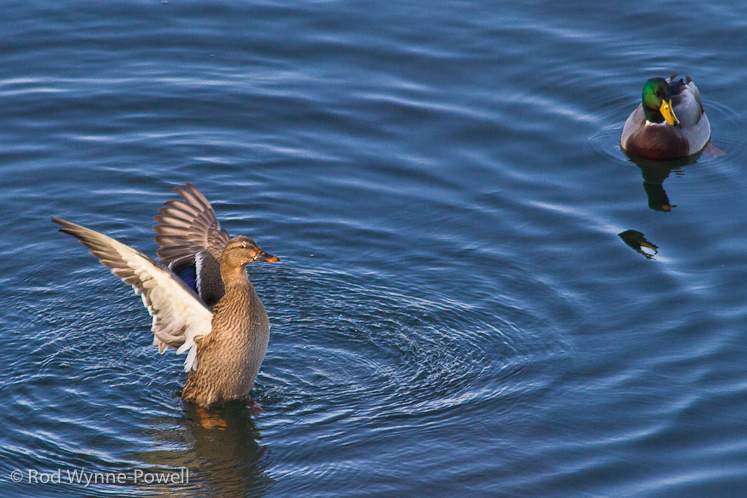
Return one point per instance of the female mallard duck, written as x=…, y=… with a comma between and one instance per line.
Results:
x=226, y=344
x=670, y=122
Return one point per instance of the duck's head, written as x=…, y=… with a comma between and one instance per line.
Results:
x=241, y=251
x=657, y=102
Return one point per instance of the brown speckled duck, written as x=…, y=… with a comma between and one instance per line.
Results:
x=226, y=345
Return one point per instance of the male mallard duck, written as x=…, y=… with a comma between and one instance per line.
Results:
x=226, y=345
x=670, y=122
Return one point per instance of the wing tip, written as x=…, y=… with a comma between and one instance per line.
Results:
x=190, y=362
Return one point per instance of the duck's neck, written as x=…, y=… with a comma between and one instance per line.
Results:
x=653, y=115
x=237, y=303
x=235, y=279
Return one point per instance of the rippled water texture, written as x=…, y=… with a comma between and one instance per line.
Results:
x=479, y=294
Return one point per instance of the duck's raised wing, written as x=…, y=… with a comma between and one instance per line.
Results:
x=191, y=242
x=178, y=316
x=188, y=227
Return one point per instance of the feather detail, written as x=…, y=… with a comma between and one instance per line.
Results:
x=178, y=315
x=187, y=227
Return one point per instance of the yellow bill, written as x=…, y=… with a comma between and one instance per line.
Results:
x=668, y=113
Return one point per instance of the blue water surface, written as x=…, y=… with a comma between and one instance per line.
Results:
x=455, y=312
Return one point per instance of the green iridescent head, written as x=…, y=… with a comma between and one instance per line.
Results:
x=657, y=102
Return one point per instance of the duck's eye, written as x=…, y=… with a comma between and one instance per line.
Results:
x=242, y=246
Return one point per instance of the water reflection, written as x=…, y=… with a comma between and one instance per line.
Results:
x=637, y=241
x=654, y=173
x=222, y=453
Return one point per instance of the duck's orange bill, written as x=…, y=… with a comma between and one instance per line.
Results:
x=267, y=258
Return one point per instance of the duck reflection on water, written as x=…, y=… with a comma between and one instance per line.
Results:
x=654, y=173
x=637, y=241
x=220, y=447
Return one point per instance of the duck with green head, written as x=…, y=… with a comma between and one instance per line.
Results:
x=670, y=122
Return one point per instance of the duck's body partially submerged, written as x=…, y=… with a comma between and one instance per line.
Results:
x=226, y=345
x=670, y=122
x=229, y=357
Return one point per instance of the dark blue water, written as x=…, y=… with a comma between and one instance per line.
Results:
x=455, y=312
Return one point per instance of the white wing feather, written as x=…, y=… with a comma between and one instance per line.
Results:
x=178, y=316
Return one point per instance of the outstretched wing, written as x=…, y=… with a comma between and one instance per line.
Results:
x=178, y=316
x=188, y=227
x=191, y=242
